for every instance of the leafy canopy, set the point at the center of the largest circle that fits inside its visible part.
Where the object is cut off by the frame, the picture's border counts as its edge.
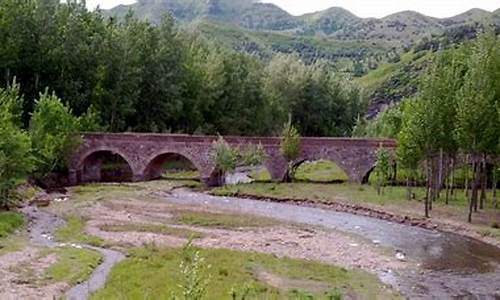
(53, 131)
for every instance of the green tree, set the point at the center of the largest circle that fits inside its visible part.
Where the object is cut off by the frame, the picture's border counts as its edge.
(382, 169)
(15, 147)
(477, 129)
(409, 151)
(53, 131)
(290, 149)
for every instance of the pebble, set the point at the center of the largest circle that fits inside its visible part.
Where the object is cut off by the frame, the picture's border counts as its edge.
(400, 256)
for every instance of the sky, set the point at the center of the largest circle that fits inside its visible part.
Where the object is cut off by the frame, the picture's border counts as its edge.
(362, 8)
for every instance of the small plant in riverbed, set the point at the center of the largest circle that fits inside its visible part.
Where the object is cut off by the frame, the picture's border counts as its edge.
(290, 149)
(334, 294)
(224, 157)
(194, 271)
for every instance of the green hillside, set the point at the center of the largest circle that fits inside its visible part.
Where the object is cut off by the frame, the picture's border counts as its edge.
(401, 29)
(386, 56)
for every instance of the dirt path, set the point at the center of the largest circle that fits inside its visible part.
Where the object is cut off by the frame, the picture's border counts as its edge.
(41, 228)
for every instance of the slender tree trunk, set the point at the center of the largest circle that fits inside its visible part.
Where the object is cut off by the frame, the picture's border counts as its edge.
(7, 76)
(452, 177)
(440, 174)
(395, 174)
(466, 184)
(447, 190)
(471, 206)
(476, 184)
(408, 188)
(495, 201)
(484, 179)
(433, 184)
(427, 196)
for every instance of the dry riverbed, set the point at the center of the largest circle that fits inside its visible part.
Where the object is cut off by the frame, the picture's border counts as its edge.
(136, 216)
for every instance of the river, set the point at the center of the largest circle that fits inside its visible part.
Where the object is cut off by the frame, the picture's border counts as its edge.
(450, 266)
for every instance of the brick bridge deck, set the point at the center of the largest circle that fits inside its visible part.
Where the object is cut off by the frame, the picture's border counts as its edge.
(147, 153)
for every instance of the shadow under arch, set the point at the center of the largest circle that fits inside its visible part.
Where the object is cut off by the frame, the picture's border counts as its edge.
(104, 165)
(366, 177)
(171, 165)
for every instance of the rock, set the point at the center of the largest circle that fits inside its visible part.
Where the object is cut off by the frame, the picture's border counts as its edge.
(400, 256)
(42, 200)
(306, 236)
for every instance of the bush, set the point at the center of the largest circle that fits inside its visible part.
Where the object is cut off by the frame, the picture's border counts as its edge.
(15, 146)
(290, 148)
(224, 157)
(53, 131)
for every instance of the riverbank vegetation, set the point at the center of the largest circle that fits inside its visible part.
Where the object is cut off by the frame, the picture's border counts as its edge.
(246, 275)
(452, 122)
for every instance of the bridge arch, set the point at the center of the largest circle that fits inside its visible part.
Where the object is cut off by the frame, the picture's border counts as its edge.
(89, 168)
(153, 166)
(355, 165)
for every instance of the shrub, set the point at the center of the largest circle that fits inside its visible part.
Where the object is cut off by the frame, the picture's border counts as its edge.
(53, 131)
(224, 157)
(290, 148)
(15, 146)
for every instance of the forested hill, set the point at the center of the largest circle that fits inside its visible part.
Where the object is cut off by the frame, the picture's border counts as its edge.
(354, 45)
(399, 29)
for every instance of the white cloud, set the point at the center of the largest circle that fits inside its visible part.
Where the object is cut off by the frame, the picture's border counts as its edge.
(362, 8)
(106, 4)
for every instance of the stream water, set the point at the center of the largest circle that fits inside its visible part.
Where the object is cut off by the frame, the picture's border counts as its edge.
(41, 231)
(450, 266)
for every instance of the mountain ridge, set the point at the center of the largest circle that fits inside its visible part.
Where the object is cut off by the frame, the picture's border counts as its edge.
(402, 29)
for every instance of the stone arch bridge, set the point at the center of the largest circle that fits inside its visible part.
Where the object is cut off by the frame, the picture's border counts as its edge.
(146, 153)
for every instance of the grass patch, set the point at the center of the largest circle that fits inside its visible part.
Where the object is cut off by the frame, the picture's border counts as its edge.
(314, 171)
(182, 175)
(490, 232)
(347, 192)
(73, 265)
(98, 192)
(219, 220)
(153, 228)
(155, 274)
(9, 223)
(74, 232)
(13, 243)
(320, 171)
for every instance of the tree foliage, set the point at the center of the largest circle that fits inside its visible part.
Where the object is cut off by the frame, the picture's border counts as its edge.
(137, 76)
(382, 169)
(53, 131)
(15, 146)
(455, 113)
